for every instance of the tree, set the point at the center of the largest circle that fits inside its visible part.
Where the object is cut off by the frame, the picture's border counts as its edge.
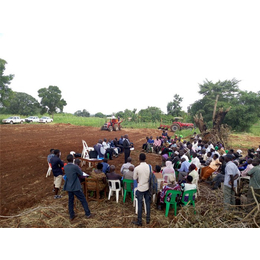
(242, 106)
(150, 114)
(99, 114)
(173, 107)
(83, 113)
(5, 92)
(51, 100)
(23, 104)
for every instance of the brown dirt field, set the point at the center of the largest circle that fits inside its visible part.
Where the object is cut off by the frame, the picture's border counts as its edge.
(23, 166)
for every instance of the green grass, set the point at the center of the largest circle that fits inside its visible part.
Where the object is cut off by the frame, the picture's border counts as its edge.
(98, 122)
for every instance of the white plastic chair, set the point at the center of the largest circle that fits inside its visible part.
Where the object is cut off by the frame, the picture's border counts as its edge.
(85, 152)
(49, 170)
(112, 188)
(135, 203)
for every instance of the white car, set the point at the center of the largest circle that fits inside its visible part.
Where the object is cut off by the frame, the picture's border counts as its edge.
(45, 119)
(13, 120)
(31, 119)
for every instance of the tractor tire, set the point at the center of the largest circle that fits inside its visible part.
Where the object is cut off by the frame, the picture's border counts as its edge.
(116, 127)
(175, 127)
(110, 128)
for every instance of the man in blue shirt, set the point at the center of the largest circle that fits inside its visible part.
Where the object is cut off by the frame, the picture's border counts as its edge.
(184, 170)
(73, 187)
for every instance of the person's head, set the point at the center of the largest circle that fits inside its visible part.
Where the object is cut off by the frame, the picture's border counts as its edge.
(142, 157)
(250, 161)
(105, 140)
(100, 141)
(256, 161)
(151, 138)
(105, 160)
(221, 159)
(192, 167)
(229, 157)
(157, 168)
(126, 136)
(215, 156)
(77, 161)
(100, 166)
(168, 163)
(183, 159)
(70, 158)
(131, 168)
(189, 179)
(129, 160)
(51, 150)
(56, 152)
(209, 154)
(112, 168)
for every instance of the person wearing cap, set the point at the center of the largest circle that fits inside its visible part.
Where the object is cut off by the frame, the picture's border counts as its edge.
(230, 181)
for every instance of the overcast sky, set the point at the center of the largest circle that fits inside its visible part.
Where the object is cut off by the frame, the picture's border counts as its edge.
(108, 56)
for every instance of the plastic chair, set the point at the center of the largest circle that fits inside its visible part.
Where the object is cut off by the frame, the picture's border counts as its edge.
(188, 198)
(136, 203)
(49, 170)
(128, 188)
(113, 187)
(173, 201)
(85, 152)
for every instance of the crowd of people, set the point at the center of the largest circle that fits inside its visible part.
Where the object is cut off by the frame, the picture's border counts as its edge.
(184, 164)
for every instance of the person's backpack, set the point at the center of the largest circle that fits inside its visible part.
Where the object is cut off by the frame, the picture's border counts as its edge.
(152, 183)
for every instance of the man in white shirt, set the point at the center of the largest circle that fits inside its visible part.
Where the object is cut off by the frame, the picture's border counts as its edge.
(141, 174)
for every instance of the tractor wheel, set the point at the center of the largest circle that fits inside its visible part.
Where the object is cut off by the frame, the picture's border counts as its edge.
(116, 127)
(110, 128)
(175, 127)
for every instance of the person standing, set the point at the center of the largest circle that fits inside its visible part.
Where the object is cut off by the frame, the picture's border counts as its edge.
(57, 165)
(142, 174)
(230, 181)
(73, 187)
(126, 145)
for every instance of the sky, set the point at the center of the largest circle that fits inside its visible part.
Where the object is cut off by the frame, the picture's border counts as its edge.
(108, 56)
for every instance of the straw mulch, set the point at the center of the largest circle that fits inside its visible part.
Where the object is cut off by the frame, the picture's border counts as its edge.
(52, 213)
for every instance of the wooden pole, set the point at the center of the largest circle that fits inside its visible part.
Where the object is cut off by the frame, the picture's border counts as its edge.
(215, 107)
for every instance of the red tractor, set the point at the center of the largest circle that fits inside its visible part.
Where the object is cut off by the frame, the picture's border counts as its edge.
(177, 125)
(112, 124)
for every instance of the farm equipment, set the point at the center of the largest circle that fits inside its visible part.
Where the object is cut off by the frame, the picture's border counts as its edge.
(176, 125)
(114, 124)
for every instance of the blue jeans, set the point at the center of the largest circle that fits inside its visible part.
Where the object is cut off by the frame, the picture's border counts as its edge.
(79, 194)
(146, 195)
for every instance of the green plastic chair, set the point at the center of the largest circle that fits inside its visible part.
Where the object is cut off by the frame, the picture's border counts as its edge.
(188, 198)
(128, 188)
(172, 202)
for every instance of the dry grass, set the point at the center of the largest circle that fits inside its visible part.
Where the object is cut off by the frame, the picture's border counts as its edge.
(109, 214)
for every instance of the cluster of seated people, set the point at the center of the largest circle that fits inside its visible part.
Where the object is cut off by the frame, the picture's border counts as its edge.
(108, 148)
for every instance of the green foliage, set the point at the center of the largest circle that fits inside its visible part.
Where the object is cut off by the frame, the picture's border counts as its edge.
(23, 104)
(99, 114)
(150, 114)
(173, 107)
(83, 113)
(5, 92)
(51, 100)
(244, 105)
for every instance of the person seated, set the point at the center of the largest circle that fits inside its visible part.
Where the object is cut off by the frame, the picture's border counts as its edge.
(99, 149)
(207, 171)
(117, 145)
(106, 166)
(100, 176)
(168, 168)
(125, 166)
(216, 182)
(144, 146)
(184, 169)
(128, 175)
(111, 175)
(194, 173)
(171, 185)
(158, 175)
(107, 148)
(189, 185)
(195, 160)
(248, 167)
(112, 146)
(150, 143)
(157, 145)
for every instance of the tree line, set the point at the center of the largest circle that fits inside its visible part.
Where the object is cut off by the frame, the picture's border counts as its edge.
(245, 106)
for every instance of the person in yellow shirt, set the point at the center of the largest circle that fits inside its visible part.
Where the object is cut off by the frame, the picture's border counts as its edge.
(208, 170)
